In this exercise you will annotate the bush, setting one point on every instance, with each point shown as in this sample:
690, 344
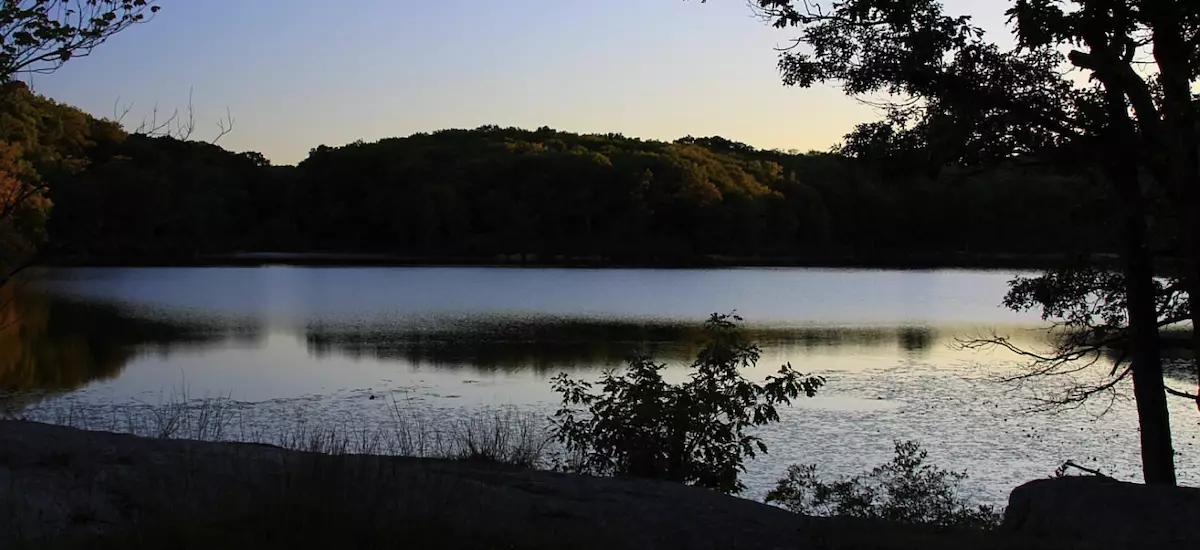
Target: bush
904, 490
694, 432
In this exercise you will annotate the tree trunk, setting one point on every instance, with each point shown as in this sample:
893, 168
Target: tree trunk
1121, 144
1158, 456
1175, 58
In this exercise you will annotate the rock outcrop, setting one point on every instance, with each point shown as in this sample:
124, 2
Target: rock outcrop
1105, 512
60, 483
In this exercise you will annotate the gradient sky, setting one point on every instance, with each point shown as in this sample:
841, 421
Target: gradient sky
300, 73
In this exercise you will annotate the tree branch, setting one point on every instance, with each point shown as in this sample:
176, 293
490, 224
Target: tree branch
1184, 395
41, 35
1072, 464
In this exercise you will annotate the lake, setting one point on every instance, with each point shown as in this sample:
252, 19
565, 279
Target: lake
327, 343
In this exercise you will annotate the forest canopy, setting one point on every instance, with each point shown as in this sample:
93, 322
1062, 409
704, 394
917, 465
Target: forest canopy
543, 194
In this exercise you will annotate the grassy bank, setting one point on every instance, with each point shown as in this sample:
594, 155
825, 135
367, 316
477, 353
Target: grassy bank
232, 482
504, 435
180, 494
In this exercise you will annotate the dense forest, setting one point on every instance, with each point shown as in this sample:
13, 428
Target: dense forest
542, 195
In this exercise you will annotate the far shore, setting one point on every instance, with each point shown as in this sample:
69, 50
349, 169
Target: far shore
824, 260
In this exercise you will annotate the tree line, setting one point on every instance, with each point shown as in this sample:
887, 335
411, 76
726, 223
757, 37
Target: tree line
528, 194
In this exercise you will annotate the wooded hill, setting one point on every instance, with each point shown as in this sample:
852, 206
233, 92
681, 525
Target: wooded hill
113, 196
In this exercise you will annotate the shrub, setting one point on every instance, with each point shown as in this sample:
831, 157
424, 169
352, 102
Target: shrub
693, 432
906, 490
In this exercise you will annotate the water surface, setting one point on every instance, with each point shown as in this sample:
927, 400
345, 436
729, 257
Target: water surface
447, 340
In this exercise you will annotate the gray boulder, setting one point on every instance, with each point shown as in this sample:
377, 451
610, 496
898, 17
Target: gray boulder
1107, 512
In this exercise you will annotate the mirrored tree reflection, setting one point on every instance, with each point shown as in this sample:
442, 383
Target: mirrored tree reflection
52, 344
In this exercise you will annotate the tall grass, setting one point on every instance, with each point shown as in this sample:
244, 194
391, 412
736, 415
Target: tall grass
232, 498
358, 499
501, 434
505, 436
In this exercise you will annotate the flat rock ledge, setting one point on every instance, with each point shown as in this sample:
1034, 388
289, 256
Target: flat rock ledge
59, 483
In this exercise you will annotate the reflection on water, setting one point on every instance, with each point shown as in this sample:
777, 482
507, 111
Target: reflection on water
552, 345
55, 344
52, 343
87, 325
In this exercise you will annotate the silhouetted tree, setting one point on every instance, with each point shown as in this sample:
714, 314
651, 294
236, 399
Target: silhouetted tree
1019, 100
1089, 329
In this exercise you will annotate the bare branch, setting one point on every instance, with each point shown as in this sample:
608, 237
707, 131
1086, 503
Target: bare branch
152, 127
182, 126
1078, 395
184, 129
12, 273
120, 112
225, 125
1184, 395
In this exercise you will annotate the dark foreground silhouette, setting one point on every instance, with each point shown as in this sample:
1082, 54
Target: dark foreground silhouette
77, 489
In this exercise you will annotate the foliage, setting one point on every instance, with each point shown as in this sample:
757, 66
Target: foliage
41, 35
540, 195
1089, 323
154, 195
693, 432
23, 208
1123, 113
548, 196
41, 143
1092, 302
907, 489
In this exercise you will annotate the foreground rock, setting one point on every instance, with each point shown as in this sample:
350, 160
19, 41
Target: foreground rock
61, 484
1106, 512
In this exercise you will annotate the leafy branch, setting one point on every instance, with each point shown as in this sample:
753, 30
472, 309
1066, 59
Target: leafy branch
39, 36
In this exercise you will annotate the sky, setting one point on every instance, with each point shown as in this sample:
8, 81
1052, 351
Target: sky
295, 74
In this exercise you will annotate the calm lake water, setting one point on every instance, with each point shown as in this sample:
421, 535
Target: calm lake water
447, 341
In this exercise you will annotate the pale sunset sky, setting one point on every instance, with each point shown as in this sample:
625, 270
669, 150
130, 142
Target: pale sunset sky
300, 73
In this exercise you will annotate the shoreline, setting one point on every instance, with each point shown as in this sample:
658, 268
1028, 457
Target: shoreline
135, 485
68, 488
